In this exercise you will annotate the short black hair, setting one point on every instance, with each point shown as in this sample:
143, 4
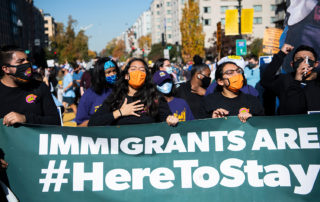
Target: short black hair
198, 68
6, 53
157, 64
197, 60
305, 48
253, 56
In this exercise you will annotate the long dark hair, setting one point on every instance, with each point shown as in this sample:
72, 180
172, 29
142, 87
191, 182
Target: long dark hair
147, 93
98, 78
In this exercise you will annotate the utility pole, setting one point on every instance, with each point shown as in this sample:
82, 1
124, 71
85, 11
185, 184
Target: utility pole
239, 10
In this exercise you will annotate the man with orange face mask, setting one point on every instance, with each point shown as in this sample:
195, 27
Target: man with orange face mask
228, 100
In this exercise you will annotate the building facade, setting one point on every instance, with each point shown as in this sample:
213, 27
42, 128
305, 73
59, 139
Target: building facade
165, 17
213, 11
49, 27
21, 24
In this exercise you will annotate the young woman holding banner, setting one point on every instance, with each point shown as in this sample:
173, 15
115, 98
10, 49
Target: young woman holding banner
134, 100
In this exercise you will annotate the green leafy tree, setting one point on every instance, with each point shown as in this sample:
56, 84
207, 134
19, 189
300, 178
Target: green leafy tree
109, 48
191, 31
256, 47
157, 52
68, 45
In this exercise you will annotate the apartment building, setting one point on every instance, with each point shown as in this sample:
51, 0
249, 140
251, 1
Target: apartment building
213, 11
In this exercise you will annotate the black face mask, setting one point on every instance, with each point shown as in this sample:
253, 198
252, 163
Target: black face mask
251, 65
23, 72
206, 82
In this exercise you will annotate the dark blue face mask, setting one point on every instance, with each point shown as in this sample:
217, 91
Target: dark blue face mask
111, 79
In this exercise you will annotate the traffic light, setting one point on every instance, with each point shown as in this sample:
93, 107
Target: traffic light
55, 52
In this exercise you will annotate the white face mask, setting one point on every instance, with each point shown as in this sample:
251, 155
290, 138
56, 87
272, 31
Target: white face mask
169, 70
165, 88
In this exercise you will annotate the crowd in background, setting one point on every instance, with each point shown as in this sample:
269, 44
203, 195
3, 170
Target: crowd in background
105, 92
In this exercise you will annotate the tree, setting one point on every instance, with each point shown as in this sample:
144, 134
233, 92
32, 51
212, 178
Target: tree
157, 52
109, 48
119, 50
67, 45
256, 47
81, 46
92, 54
145, 42
191, 31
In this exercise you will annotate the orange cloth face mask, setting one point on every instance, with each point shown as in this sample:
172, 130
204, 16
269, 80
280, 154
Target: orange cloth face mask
235, 83
137, 78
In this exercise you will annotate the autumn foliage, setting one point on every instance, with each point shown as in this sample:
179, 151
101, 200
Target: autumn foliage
192, 35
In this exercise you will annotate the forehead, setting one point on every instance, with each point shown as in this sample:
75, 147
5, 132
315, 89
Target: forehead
110, 69
206, 71
230, 67
166, 62
18, 55
137, 64
303, 54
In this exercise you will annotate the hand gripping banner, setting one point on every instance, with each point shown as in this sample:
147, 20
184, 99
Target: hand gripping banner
265, 159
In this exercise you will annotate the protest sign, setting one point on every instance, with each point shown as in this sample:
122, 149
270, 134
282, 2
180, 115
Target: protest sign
265, 159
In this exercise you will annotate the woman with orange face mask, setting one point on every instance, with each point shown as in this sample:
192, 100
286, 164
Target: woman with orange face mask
228, 100
134, 100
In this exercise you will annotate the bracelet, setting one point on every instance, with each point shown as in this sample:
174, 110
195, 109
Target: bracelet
120, 113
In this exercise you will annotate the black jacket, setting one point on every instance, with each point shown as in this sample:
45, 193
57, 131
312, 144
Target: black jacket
295, 97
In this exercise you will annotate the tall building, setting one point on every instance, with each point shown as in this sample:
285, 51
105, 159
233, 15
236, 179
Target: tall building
213, 11
49, 27
39, 36
281, 8
6, 25
22, 25
165, 17
143, 24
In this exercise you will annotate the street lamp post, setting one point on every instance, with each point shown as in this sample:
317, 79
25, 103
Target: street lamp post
239, 10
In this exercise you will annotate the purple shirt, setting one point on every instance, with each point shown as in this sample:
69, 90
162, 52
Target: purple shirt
89, 103
180, 109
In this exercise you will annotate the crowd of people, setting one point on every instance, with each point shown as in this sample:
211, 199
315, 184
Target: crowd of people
102, 92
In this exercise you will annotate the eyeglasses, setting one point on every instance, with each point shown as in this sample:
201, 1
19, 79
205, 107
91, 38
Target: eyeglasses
231, 71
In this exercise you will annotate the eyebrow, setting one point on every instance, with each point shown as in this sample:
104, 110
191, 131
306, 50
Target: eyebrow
21, 59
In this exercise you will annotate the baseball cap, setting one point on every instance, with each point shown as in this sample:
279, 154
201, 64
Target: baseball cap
160, 76
238, 60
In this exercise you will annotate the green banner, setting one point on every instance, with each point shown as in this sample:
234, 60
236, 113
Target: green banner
265, 159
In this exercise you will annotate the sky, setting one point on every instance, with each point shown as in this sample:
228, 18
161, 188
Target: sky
106, 19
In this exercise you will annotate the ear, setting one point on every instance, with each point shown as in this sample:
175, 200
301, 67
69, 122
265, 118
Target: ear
316, 64
126, 77
199, 76
220, 82
5, 69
